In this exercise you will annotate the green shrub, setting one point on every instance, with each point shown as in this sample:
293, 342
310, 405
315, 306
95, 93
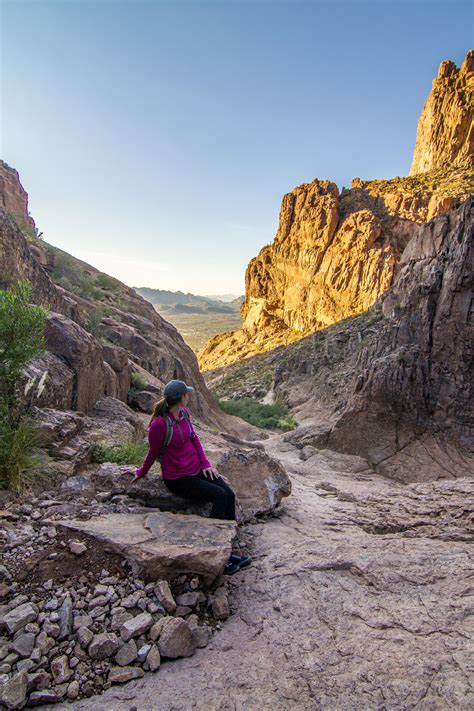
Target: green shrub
132, 452
21, 458
258, 414
137, 382
105, 281
22, 337
92, 324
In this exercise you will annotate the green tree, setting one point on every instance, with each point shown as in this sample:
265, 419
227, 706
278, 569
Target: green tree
22, 337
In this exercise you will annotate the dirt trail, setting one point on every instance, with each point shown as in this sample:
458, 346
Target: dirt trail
353, 601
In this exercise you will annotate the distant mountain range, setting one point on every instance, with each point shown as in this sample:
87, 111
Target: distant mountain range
177, 302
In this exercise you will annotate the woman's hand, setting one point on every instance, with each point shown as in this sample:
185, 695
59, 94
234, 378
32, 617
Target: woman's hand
138, 474
211, 473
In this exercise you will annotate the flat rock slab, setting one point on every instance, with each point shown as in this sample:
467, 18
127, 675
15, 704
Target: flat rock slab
161, 544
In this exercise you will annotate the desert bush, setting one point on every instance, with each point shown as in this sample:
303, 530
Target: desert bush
22, 337
267, 416
92, 324
131, 452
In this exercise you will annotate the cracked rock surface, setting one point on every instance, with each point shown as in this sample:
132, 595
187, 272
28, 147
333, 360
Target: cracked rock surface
359, 596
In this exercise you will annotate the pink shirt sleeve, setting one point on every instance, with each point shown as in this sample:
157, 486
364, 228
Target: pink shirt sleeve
156, 436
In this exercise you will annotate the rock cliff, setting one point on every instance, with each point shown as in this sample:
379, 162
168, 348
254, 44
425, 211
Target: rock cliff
445, 134
335, 252
395, 384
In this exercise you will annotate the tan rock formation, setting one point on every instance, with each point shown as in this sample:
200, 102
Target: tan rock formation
395, 384
335, 253
445, 135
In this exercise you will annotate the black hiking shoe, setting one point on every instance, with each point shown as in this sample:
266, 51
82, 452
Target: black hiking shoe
241, 561
231, 568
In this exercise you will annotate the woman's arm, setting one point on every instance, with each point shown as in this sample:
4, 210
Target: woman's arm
156, 436
197, 445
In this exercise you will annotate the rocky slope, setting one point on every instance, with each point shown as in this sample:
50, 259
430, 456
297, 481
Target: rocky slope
335, 252
97, 326
395, 384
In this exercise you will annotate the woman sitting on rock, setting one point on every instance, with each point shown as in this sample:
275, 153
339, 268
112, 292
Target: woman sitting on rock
185, 469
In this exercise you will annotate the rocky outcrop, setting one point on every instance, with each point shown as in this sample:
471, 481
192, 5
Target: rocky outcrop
70, 437
445, 135
13, 197
416, 377
335, 253
18, 262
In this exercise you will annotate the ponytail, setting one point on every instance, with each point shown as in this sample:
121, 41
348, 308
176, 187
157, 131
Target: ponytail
162, 406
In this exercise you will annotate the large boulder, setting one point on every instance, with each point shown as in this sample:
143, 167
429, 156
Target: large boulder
259, 481
161, 544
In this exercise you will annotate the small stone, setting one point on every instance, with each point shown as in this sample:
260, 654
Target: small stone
136, 626
220, 608
77, 548
38, 680
119, 618
25, 665
132, 600
153, 659
103, 645
99, 601
82, 621
127, 653
44, 643
17, 618
143, 653
119, 675
51, 629
190, 599
51, 604
23, 644
60, 669
163, 593
48, 585
175, 638
65, 618
155, 631
73, 690
46, 696
85, 636
13, 691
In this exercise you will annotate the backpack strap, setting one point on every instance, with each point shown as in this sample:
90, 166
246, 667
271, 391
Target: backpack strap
168, 436
190, 424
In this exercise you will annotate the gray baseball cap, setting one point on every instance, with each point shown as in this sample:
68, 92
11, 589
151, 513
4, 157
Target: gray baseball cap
176, 388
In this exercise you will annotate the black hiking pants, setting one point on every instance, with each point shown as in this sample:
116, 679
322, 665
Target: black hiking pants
202, 488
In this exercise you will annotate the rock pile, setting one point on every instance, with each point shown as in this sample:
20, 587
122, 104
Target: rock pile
76, 618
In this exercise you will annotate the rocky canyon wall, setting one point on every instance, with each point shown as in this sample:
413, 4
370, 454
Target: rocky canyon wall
335, 251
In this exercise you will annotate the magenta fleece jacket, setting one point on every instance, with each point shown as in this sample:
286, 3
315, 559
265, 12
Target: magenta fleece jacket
184, 456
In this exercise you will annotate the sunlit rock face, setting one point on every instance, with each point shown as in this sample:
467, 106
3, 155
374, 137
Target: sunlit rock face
445, 134
335, 252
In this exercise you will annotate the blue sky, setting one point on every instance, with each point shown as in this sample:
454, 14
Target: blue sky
156, 139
